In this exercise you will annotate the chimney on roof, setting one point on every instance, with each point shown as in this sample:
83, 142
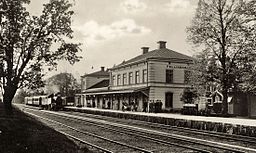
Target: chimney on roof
102, 68
144, 50
162, 44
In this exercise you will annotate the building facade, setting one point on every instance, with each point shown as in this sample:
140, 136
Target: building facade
92, 81
154, 76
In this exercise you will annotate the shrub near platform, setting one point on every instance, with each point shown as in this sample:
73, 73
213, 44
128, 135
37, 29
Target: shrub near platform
200, 125
21, 133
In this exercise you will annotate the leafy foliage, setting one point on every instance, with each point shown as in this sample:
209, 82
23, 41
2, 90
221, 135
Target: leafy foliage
189, 95
26, 43
225, 30
66, 84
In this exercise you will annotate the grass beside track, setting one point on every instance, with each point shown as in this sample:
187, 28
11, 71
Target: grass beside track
21, 133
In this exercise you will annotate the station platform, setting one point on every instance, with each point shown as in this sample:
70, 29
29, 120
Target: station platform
230, 125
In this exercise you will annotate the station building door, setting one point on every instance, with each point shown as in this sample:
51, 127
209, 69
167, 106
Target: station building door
169, 100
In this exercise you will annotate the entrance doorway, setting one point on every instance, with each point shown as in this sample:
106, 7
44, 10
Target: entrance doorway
169, 100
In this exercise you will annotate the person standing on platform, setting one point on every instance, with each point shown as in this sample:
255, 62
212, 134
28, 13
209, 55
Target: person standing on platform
108, 103
58, 102
40, 102
145, 106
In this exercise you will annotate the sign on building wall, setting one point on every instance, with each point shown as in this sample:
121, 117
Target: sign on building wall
178, 67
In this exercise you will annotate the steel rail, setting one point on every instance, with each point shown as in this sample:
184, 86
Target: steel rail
85, 142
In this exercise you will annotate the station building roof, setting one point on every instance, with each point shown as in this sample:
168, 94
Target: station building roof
161, 53
101, 73
101, 84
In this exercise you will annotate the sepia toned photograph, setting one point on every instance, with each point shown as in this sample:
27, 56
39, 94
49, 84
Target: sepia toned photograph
127, 76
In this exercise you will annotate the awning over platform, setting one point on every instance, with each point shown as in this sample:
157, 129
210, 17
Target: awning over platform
144, 90
109, 92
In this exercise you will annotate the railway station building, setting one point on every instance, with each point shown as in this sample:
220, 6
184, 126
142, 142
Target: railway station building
159, 75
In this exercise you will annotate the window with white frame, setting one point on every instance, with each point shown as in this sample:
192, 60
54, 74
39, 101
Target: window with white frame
124, 78
169, 76
145, 76
130, 78
114, 80
118, 79
137, 77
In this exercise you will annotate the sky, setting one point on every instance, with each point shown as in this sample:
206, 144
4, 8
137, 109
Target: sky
112, 31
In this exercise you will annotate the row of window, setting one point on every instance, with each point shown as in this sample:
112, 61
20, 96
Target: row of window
130, 79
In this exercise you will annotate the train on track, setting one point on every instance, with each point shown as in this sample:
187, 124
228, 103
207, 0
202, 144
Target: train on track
49, 102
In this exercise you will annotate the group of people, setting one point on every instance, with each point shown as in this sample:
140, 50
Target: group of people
151, 107
132, 106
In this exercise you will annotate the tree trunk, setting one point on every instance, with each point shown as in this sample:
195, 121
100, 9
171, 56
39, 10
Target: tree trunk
9, 93
225, 101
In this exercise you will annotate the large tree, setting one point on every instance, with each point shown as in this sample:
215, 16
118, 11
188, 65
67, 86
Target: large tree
225, 31
26, 43
65, 83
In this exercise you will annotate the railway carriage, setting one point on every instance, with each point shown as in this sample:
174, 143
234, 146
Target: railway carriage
43, 101
28, 101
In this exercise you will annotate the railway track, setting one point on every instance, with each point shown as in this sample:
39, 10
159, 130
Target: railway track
138, 139
109, 146
144, 135
245, 140
161, 137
